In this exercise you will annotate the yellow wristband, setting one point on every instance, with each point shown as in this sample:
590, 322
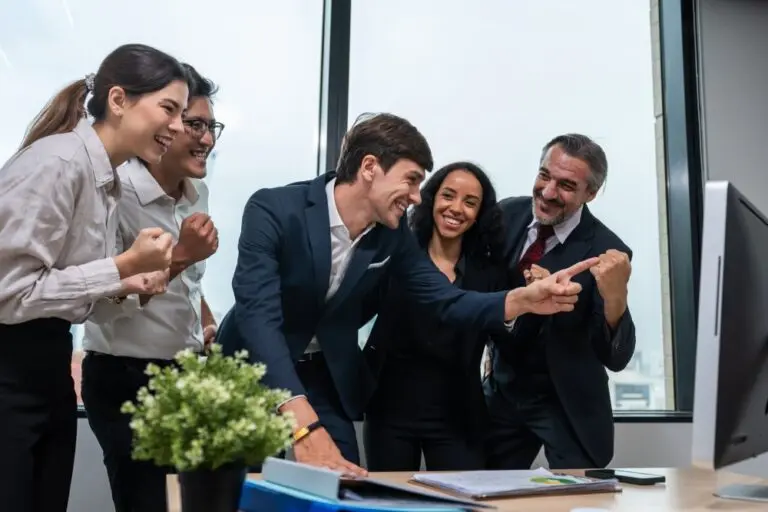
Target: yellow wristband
305, 431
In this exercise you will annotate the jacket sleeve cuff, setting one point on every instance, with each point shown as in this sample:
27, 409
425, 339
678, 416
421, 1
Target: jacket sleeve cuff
617, 334
289, 400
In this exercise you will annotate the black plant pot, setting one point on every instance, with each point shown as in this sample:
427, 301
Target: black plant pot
216, 490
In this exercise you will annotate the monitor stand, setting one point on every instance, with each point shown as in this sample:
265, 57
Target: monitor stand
744, 492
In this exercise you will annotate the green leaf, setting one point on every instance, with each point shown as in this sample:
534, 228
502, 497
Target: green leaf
206, 412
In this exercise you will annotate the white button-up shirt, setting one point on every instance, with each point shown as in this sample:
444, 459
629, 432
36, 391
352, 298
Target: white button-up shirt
342, 248
169, 322
562, 232
58, 201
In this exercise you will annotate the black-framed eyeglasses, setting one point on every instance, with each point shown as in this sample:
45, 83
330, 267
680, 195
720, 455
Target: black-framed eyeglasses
197, 127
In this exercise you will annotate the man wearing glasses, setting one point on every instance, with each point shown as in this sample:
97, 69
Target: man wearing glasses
125, 333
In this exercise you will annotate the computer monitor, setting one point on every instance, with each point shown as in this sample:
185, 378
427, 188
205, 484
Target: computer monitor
730, 408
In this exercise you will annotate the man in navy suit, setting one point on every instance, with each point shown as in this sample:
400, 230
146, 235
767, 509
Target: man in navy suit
308, 254
548, 385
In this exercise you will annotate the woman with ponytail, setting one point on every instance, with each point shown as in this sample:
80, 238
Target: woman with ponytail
58, 199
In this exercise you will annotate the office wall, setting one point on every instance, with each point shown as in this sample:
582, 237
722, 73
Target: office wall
733, 80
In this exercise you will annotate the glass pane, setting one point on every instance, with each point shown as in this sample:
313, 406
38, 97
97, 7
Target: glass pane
493, 81
265, 56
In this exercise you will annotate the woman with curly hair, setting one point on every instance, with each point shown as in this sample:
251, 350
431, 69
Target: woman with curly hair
429, 396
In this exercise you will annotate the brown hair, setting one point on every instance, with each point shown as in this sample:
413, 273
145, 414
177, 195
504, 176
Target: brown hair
60, 115
138, 69
385, 136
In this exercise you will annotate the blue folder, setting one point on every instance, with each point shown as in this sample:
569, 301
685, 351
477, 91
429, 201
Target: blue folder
288, 486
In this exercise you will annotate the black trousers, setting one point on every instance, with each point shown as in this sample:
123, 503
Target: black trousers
397, 445
521, 421
322, 395
109, 381
38, 416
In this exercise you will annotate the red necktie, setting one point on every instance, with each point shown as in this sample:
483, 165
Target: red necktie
537, 248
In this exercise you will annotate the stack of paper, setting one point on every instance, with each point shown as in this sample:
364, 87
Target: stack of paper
492, 484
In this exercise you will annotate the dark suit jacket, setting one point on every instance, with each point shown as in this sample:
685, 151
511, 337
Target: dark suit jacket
281, 280
578, 344
407, 335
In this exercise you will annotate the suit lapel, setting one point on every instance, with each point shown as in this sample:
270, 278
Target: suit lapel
362, 256
319, 233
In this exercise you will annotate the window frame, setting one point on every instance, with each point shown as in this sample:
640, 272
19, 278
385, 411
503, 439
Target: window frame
684, 186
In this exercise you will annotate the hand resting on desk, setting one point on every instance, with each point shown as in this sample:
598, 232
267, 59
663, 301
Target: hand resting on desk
317, 448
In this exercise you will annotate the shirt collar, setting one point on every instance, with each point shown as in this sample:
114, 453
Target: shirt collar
333, 212
97, 153
148, 189
564, 229
334, 219
190, 191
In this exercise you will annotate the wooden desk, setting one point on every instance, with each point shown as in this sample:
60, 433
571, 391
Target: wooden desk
686, 490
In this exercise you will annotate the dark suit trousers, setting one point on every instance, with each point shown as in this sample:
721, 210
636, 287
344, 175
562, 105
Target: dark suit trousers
521, 421
392, 445
322, 395
108, 382
38, 416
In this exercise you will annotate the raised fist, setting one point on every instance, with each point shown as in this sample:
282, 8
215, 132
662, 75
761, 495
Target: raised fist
198, 239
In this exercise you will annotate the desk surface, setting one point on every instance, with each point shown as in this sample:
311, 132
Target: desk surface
686, 490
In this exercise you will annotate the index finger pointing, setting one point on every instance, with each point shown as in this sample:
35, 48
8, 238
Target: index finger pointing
579, 267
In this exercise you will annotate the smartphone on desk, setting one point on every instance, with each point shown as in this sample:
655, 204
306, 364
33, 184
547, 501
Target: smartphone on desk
626, 477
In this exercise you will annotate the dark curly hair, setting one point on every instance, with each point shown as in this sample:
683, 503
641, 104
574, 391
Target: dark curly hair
486, 236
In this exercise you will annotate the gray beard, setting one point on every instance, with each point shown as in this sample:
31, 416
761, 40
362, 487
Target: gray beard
547, 222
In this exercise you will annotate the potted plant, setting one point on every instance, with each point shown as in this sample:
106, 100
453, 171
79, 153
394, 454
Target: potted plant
210, 417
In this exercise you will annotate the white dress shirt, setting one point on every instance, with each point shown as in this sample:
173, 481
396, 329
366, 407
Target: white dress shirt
169, 322
58, 224
342, 248
562, 232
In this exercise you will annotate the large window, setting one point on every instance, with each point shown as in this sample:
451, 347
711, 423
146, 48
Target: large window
265, 56
493, 81
487, 81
